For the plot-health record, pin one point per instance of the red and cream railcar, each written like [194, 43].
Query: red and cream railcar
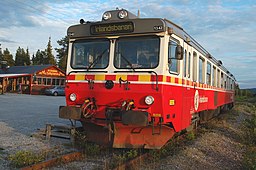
[134, 82]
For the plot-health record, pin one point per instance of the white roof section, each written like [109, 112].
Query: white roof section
[13, 75]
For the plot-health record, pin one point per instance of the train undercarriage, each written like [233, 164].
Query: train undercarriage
[123, 130]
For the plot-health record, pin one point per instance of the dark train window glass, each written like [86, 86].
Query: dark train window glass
[185, 63]
[189, 63]
[222, 80]
[195, 66]
[90, 54]
[214, 76]
[137, 52]
[208, 74]
[201, 70]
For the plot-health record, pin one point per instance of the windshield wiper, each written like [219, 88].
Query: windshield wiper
[127, 61]
[97, 59]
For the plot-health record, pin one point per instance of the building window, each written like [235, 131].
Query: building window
[49, 81]
[39, 80]
[208, 73]
[57, 82]
[62, 82]
[53, 81]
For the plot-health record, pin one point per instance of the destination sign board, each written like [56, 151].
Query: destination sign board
[112, 28]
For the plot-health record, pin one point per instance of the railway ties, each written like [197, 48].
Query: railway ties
[60, 131]
[57, 131]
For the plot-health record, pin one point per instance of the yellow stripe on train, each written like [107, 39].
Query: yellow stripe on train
[99, 77]
[123, 77]
[145, 78]
[80, 77]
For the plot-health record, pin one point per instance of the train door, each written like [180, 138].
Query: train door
[187, 91]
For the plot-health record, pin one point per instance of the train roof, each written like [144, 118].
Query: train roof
[113, 24]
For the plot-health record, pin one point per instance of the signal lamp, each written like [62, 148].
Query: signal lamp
[149, 100]
[106, 16]
[72, 97]
[122, 14]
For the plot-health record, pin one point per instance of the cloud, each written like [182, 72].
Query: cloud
[225, 28]
[17, 13]
[3, 40]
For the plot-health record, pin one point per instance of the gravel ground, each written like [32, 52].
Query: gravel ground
[22, 115]
[217, 146]
[27, 113]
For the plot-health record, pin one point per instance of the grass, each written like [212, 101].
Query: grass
[24, 158]
[120, 158]
[249, 132]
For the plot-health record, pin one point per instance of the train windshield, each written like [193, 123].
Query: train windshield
[90, 54]
[137, 52]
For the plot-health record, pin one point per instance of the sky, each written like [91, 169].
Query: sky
[225, 28]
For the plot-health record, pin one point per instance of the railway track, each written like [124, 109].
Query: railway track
[56, 161]
[117, 159]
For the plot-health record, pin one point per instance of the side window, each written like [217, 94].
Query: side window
[201, 70]
[185, 63]
[172, 62]
[189, 63]
[225, 81]
[194, 66]
[208, 73]
[214, 76]
[218, 78]
[221, 80]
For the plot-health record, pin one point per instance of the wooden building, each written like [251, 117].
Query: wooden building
[30, 79]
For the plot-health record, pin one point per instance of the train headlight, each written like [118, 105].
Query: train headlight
[122, 14]
[106, 16]
[72, 97]
[149, 100]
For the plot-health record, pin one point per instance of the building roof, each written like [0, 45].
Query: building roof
[24, 69]
[12, 75]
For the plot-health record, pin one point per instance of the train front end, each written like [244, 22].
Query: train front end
[113, 73]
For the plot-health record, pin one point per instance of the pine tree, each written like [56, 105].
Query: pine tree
[62, 53]
[39, 58]
[20, 54]
[7, 56]
[1, 53]
[27, 58]
[50, 58]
